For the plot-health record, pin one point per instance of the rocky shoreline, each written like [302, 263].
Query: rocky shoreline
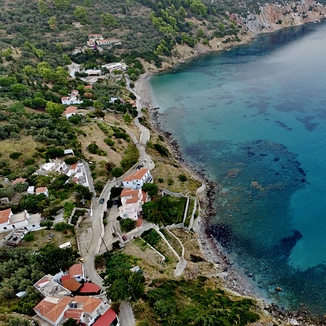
[233, 278]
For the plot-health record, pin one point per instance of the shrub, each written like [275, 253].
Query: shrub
[29, 237]
[71, 160]
[61, 226]
[127, 224]
[182, 178]
[162, 150]
[109, 141]
[29, 161]
[15, 155]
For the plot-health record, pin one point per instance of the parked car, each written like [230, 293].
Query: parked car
[124, 238]
[101, 201]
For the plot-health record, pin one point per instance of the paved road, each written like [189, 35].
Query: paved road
[98, 239]
[126, 315]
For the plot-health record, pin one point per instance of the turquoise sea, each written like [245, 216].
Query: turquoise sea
[254, 119]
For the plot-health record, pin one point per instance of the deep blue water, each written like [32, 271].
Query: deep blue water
[254, 118]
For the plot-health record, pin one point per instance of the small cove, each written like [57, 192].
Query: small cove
[254, 118]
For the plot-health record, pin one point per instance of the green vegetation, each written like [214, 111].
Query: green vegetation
[21, 268]
[151, 236]
[124, 284]
[195, 302]
[127, 224]
[150, 188]
[165, 210]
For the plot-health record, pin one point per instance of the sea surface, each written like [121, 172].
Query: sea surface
[254, 120]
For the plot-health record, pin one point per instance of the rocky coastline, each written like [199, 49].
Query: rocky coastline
[234, 279]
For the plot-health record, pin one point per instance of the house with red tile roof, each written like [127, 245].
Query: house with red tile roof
[131, 203]
[18, 180]
[52, 309]
[42, 190]
[70, 111]
[89, 289]
[77, 272]
[72, 285]
[137, 179]
[56, 310]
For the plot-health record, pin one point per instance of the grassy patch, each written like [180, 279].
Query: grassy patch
[194, 302]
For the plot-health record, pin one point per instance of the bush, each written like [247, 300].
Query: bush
[61, 226]
[15, 155]
[71, 160]
[29, 161]
[162, 150]
[29, 237]
[182, 178]
[127, 224]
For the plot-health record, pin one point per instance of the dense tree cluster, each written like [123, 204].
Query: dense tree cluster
[21, 268]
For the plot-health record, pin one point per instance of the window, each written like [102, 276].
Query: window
[5, 228]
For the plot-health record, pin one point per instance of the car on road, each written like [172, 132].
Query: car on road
[101, 201]
[124, 238]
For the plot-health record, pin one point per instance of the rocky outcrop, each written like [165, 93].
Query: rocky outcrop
[276, 16]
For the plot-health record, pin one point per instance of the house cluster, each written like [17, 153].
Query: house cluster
[68, 295]
[22, 222]
[132, 196]
[73, 98]
[76, 172]
[95, 40]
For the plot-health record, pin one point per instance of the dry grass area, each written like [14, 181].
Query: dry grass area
[191, 245]
[26, 145]
[43, 237]
[150, 261]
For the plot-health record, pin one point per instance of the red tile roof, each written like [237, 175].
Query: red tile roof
[137, 175]
[18, 180]
[73, 313]
[65, 277]
[75, 270]
[90, 288]
[90, 304]
[71, 284]
[4, 215]
[40, 190]
[70, 109]
[74, 166]
[88, 87]
[128, 192]
[52, 308]
[107, 318]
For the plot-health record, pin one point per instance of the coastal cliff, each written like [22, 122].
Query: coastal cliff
[275, 16]
[269, 18]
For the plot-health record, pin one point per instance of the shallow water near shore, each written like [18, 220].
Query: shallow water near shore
[254, 120]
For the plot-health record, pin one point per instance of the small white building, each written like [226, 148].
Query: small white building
[72, 99]
[137, 179]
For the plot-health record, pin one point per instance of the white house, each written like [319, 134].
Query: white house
[131, 203]
[42, 190]
[70, 111]
[84, 309]
[72, 99]
[137, 179]
[52, 166]
[10, 221]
